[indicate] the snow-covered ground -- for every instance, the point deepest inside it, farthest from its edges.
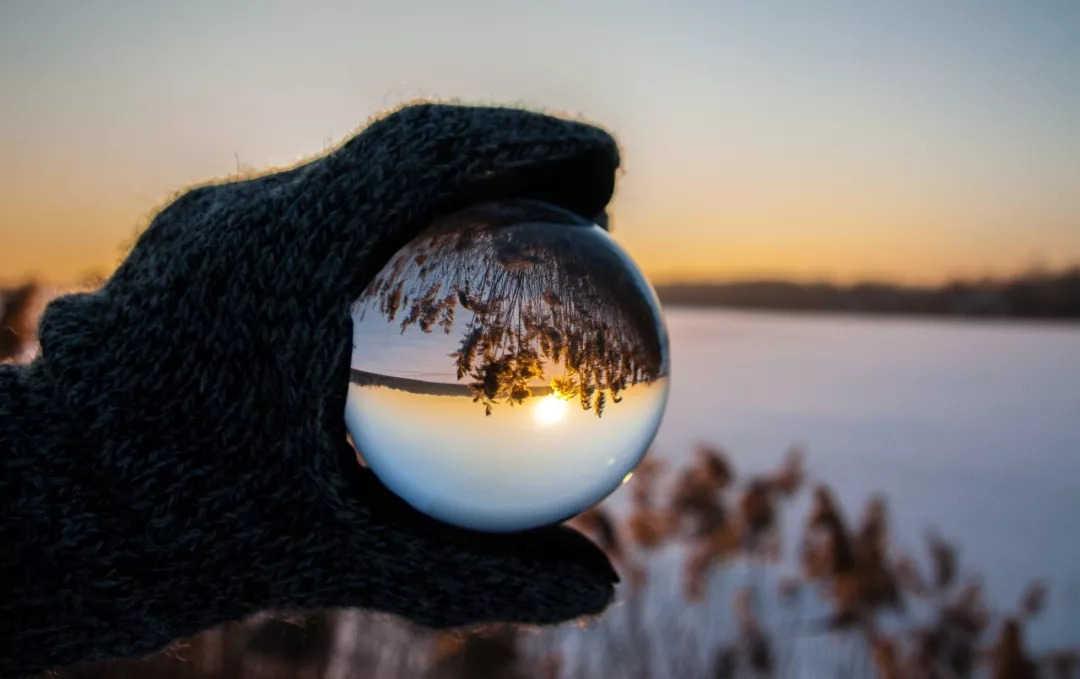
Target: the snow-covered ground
(972, 428)
(968, 426)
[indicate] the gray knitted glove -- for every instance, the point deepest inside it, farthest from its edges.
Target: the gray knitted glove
(177, 457)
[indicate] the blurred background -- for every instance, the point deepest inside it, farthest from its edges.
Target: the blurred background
(864, 223)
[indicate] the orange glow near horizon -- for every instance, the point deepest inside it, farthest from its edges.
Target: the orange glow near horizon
(60, 241)
(82, 235)
(52, 251)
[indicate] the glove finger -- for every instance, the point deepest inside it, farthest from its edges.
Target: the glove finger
(357, 206)
(333, 222)
(386, 556)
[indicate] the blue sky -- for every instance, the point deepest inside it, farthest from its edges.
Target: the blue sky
(909, 141)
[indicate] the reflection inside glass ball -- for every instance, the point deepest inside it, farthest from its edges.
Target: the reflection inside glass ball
(509, 368)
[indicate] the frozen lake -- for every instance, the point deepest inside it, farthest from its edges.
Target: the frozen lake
(967, 426)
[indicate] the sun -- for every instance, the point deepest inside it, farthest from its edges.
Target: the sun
(549, 410)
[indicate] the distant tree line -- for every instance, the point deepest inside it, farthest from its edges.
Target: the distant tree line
(1034, 295)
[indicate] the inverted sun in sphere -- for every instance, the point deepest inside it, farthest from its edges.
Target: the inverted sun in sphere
(549, 410)
(509, 368)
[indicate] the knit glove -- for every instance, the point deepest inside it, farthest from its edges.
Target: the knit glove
(177, 455)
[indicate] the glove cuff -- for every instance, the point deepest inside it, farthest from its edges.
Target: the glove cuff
(40, 591)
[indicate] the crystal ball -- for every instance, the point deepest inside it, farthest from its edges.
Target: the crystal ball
(509, 368)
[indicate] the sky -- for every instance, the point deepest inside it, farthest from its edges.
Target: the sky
(911, 142)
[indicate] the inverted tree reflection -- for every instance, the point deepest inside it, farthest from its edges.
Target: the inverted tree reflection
(536, 303)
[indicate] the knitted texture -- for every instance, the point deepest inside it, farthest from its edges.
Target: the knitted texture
(176, 457)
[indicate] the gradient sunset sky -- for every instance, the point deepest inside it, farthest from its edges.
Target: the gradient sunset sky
(907, 141)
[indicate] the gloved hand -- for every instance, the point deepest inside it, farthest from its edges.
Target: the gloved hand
(177, 456)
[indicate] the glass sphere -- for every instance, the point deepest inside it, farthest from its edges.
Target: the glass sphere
(509, 368)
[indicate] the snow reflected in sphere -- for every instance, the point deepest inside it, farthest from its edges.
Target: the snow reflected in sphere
(509, 368)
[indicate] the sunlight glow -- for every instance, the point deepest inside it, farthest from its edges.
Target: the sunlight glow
(549, 410)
